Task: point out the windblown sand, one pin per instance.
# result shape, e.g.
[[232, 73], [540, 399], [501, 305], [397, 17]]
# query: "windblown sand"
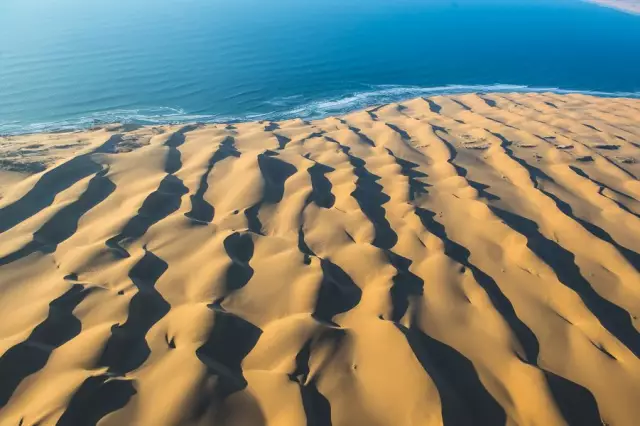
[[463, 260]]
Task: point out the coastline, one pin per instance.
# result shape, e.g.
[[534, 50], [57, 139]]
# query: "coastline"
[[287, 108], [461, 259], [629, 6]]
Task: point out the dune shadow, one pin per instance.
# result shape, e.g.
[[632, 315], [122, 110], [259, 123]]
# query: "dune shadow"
[[282, 141], [503, 305], [405, 285], [612, 317], [615, 319], [489, 102], [275, 173], [232, 337], [465, 401], [173, 160], [338, 293], [370, 197], [229, 342], [403, 133], [49, 185], [461, 171], [433, 106], [31, 355], [321, 186], [534, 172], [253, 220], [361, 136], [603, 186], [316, 407], [161, 203], [127, 349], [576, 403], [461, 104], [630, 255], [201, 210], [303, 247], [409, 170], [239, 248], [95, 398], [64, 223]]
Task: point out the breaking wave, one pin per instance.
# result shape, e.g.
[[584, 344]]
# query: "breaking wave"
[[283, 108]]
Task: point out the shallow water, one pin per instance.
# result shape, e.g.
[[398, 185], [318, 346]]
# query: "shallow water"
[[66, 63]]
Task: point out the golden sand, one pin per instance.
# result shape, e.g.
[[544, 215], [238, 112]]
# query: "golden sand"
[[461, 260]]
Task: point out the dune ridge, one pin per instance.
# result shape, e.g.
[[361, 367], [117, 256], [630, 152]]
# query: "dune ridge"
[[461, 260]]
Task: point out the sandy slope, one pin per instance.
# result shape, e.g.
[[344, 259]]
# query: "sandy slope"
[[464, 260]]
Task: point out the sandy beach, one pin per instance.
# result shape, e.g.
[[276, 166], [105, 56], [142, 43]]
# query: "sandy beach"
[[453, 260]]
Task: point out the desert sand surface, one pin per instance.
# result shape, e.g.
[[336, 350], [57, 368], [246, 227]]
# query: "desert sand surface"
[[632, 6], [457, 260]]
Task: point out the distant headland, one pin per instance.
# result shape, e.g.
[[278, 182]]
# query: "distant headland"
[[631, 6]]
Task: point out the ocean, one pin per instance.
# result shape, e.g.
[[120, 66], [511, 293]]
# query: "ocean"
[[68, 64]]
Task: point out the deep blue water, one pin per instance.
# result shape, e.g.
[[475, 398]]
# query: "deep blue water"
[[68, 63]]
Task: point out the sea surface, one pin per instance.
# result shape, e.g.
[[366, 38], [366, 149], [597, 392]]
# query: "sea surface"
[[70, 63]]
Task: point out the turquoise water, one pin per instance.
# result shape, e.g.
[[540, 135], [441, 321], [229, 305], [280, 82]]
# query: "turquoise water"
[[71, 63]]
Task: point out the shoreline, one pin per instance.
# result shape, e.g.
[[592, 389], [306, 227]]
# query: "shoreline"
[[310, 110], [33, 148]]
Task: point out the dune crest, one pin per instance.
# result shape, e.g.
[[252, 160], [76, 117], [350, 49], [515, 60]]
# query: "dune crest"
[[458, 260]]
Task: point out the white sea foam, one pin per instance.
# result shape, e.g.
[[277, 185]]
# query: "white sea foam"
[[286, 107]]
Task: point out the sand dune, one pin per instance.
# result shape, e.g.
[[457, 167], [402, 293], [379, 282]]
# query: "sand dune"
[[462, 260]]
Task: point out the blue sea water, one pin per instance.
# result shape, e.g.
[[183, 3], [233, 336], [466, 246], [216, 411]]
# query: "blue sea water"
[[72, 63]]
